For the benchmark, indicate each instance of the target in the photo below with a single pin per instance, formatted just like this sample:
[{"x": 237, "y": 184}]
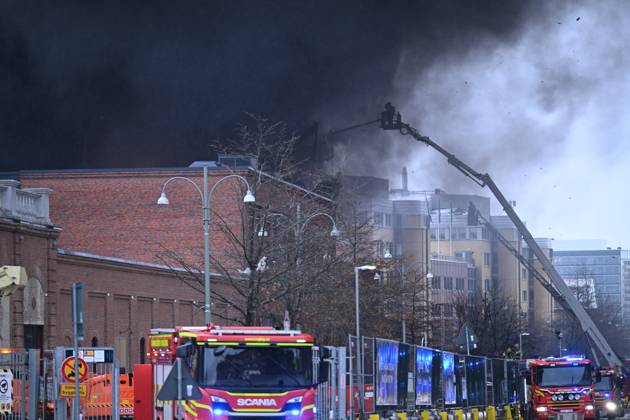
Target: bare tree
[{"x": 494, "y": 319}]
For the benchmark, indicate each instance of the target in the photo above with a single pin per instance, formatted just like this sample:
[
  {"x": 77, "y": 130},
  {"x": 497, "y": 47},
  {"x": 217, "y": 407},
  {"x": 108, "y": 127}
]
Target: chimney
[{"x": 404, "y": 178}]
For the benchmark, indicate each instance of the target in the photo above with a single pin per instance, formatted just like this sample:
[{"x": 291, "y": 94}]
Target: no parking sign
[{"x": 6, "y": 390}]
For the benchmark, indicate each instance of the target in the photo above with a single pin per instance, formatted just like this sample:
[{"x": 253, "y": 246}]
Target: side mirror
[
  {"x": 598, "y": 377},
  {"x": 183, "y": 351}
]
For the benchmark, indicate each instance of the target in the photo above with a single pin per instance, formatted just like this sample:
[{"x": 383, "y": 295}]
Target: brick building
[
  {"x": 105, "y": 229},
  {"x": 123, "y": 298}
]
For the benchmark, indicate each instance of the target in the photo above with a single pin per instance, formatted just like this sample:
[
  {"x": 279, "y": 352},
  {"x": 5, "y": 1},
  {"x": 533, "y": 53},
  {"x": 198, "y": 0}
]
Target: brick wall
[
  {"x": 32, "y": 247},
  {"x": 122, "y": 302},
  {"x": 115, "y": 214}
]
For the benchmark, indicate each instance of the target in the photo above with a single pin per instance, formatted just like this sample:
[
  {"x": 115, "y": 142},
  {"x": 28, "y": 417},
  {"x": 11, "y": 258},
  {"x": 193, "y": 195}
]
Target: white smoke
[{"x": 546, "y": 114}]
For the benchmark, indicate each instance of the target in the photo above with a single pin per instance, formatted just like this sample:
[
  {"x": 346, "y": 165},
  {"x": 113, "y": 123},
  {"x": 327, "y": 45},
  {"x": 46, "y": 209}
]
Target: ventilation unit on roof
[{"x": 238, "y": 161}]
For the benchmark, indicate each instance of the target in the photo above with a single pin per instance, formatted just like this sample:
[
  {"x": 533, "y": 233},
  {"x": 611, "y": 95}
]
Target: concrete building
[
  {"x": 540, "y": 304},
  {"x": 607, "y": 269},
  {"x": 454, "y": 235},
  {"x": 450, "y": 282}
]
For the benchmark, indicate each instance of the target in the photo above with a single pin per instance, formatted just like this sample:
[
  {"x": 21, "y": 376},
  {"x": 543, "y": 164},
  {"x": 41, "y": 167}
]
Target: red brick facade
[
  {"x": 112, "y": 233},
  {"x": 114, "y": 213}
]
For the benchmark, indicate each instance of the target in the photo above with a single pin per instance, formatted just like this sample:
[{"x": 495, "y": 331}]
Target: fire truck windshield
[
  {"x": 563, "y": 376},
  {"x": 605, "y": 384},
  {"x": 246, "y": 367}
]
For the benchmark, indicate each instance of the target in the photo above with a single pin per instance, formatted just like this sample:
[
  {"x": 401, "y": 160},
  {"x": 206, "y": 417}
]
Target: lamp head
[
  {"x": 335, "y": 232},
  {"x": 388, "y": 254},
  {"x": 249, "y": 197},
  {"x": 377, "y": 276},
  {"x": 429, "y": 275},
  {"x": 163, "y": 201}
]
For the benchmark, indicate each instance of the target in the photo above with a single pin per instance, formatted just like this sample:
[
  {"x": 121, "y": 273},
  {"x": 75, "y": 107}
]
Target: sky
[
  {"x": 544, "y": 113},
  {"x": 533, "y": 93}
]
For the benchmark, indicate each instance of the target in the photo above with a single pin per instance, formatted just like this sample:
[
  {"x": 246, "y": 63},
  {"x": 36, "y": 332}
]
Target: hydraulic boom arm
[{"x": 392, "y": 121}]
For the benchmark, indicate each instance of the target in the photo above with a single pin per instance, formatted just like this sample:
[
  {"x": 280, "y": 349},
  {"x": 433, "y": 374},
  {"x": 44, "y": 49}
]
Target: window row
[
  {"x": 460, "y": 233},
  {"x": 436, "y": 283}
]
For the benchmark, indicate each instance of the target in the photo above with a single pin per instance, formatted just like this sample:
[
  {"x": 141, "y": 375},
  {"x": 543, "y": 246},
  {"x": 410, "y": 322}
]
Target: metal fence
[
  {"x": 32, "y": 385},
  {"x": 331, "y": 394},
  {"x": 386, "y": 376}
]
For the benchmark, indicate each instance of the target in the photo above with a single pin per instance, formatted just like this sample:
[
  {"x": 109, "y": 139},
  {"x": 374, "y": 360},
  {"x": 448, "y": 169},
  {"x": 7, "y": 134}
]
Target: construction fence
[
  {"x": 36, "y": 385},
  {"x": 387, "y": 378}
]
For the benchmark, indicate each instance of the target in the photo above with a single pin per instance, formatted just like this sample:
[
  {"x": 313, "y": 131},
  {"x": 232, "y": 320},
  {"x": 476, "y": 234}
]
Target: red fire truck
[
  {"x": 560, "y": 385},
  {"x": 243, "y": 371},
  {"x": 608, "y": 389}
]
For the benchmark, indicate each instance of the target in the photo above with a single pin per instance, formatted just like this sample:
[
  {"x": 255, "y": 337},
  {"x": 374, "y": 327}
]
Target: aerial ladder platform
[{"x": 555, "y": 285}]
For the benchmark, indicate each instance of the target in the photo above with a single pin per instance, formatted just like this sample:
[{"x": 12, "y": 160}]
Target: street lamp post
[
  {"x": 359, "y": 351},
  {"x": 206, "y": 203}
]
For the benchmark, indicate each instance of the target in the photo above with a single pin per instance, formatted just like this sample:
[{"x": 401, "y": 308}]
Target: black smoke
[{"x": 133, "y": 84}]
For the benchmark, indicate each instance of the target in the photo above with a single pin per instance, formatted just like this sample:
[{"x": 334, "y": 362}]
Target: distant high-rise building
[{"x": 608, "y": 270}]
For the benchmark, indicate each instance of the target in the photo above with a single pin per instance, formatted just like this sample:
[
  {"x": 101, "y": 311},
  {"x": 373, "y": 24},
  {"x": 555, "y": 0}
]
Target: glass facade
[{"x": 604, "y": 267}]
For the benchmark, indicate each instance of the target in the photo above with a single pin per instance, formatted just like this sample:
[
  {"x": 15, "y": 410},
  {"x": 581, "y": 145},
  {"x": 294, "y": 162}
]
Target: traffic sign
[
  {"x": 6, "y": 386},
  {"x": 179, "y": 384},
  {"x": 68, "y": 371},
  {"x": 68, "y": 390}
]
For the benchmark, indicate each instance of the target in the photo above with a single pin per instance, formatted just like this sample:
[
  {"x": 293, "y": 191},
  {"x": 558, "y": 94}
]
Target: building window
[
  {"x": 378, "y": 218},
  {"x": 472, "y": 284},
  {"x": 379, "y": 248},
  {"x": 435, "y": 282},
  {"x": 461, "y": 233},
  {"x": 473, "y": 233},
  {"x": 484, "y": 233},
  {"x": 442, "y": 235},
  {"x": 459, "y": 283},
  {"x": 486, "y": 284},
  {"x": 397, "y": 220},
  {"x": 388, "y": 220},
  {"x": 486, "y": 258},
  {"x": 437, "y": 310},
  {"x": 389, "y": 247},
  {"x": 524, "y": 295},
  {"x": 433, "y": 234},
  {"x": 448, "y": 283}
]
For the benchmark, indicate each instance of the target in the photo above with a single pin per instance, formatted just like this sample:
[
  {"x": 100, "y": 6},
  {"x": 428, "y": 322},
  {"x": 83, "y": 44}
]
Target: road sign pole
[{"x": 77, "y": 322}]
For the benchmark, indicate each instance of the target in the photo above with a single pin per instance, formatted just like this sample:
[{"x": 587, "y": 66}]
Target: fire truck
[
  {"x": 560, "y": 386},
  {"x": 243, "y": 372},
  {"x": 608, "y": 398}
]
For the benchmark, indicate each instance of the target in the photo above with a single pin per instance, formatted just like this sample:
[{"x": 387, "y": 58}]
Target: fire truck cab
[
  {"x": 608, "y": 389},
  {"x": 244, "y": 371},
  {"x": 559, "y": 386}
]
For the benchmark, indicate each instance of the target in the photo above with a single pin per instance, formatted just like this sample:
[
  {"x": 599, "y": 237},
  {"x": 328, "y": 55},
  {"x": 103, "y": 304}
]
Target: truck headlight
[
  {"x": 541, "y": 409},
  {"x": 571, "y": 397},
  {"x": 589, "y": 407},
  {"x": 611, "y": 406},
  {"x": 554, "y": 397}
]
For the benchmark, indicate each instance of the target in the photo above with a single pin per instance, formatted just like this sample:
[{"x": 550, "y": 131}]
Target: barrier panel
[
  {"x": 14, "y": 384},
  {"x": 104, "y": 393},
  {"x": 425, "y": 382}
]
